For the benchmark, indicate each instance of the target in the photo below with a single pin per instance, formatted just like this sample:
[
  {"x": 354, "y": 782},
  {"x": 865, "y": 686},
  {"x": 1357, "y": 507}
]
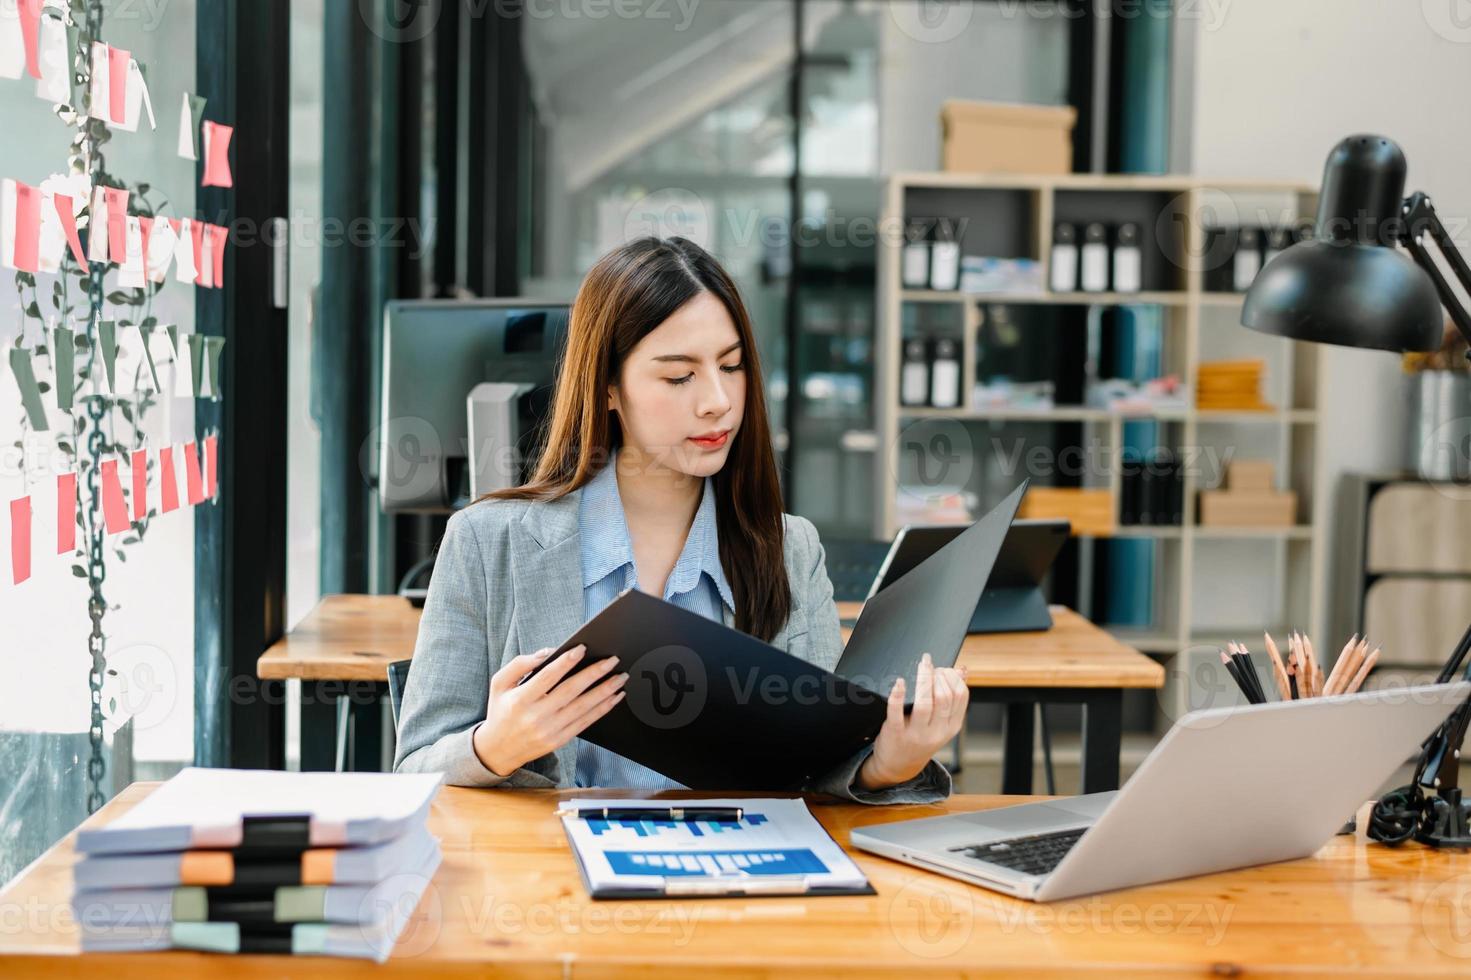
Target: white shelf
[
  {"x": 1292, "y": 565},
  {"x": 1300, "y": 532},
  {"x": 1172, "y": 298}
]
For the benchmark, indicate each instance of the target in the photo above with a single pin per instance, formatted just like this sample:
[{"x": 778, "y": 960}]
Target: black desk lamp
[{"x": 1349, "y": 286}]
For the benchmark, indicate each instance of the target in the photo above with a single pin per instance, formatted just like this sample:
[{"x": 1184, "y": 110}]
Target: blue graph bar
[{"x": 671, "y": 864}]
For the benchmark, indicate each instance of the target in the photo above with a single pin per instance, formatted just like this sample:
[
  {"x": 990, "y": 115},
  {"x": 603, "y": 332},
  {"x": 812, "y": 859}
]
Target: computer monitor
[{"x": 435, "y": 353}]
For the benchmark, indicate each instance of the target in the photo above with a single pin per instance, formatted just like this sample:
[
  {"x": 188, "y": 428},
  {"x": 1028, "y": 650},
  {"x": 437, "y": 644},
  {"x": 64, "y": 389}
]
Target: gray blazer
[{"x": 508, "y": 580}]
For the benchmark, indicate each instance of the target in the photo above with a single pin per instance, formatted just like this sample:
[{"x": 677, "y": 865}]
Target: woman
[{"x": 657, "y": 473}]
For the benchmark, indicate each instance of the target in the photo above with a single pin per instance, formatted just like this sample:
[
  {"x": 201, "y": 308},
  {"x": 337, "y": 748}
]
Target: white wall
[{"x": 1277, "y": 85}]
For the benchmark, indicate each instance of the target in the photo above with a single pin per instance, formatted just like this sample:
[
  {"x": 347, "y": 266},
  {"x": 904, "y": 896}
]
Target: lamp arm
[{"x": 1419, "y": 218}]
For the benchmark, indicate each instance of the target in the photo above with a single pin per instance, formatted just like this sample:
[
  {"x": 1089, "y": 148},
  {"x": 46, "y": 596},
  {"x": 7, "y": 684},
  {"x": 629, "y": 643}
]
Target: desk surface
[
  {"x": 508, "y": 897},
  {"x": 356, "y": 637}
]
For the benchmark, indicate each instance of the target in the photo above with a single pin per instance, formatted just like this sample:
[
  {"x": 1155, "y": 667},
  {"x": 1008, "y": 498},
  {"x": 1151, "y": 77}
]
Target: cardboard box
[
  {"x": 1004, "y": 137},
  {"x": 1250, "y": 474},
  {"x": 1248, "y": 508},
  {"x": 1090, "y": 511}
]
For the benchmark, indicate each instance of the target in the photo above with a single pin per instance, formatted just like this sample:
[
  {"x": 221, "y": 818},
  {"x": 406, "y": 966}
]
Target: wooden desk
[
  {"x": 508, "y": 899},
  {"x": 342, "y": 649},
  {"x": 1075, "y": 662}
]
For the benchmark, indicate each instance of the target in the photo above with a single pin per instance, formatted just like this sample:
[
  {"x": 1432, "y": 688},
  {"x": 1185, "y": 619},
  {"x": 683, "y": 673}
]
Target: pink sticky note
[
  {"x": 117, "y": 224},
  {"x": 66, "y": 513},
  {"x": 217, "y": 155},
  {"x": 196, "y": 229},
  {"x": 114, "y": 507},
  {"x": 139, "y": 469},
  {"x": 65, "y": 210},
  {"x": 30, "y": 32},
  {"x": 118, "y": 61},
  {"x": 193, "y": 479},
  {"x": 211, "y": 466},
  {"x": 218, "y": 235},
  {"x": 27, "y": 227},
  {"x": 20, "y": 539},
  {"x": 145, "y": 225},
  {"x": 168, "y": 480}
]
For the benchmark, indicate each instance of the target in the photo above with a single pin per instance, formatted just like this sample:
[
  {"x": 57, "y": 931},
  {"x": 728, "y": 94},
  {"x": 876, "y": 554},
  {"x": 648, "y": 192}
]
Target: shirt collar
[{"x": 607, "y": 546}]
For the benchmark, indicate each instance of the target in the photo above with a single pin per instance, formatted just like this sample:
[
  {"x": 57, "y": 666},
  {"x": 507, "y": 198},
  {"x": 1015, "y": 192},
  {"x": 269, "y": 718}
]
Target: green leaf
[
  {"x": 131, "y": 539},
  {"x": 143, "y": 189},
  {"x": 117, "y": 296},
  {"x": 43, "y": 387},
  {"x": 78, "y": 571},
  {"x": 33, "y": 310},
  {"x": 120, "y": 555}
]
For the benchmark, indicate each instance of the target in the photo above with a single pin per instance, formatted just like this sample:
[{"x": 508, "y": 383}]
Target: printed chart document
[{"x": 776, "y": 848}]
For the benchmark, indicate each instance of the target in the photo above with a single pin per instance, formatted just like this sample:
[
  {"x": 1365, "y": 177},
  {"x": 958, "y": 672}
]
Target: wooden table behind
[
  {"x": 356, "y": 637},
  {"x": 508, "y": 898}
]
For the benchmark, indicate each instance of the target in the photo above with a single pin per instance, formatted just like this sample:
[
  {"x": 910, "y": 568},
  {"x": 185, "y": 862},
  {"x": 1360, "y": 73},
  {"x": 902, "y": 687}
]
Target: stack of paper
[
  {"x": 1234, "y": 386},
  {"x": 250, "y": 861}
]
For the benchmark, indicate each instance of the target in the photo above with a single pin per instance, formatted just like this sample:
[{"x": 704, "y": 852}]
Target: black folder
[{"x": 714, "y": 708}]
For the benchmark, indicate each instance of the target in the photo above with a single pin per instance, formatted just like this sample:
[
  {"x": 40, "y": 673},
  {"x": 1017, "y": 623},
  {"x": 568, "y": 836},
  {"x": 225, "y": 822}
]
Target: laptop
[
  {"x": 1013, "y": 601},
  {"x": 1225, "y": 788},
  {"x": 714, "y": 708}
]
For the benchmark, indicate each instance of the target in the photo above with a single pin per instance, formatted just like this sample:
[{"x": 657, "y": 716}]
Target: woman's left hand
[{"x": 906, "y": 744}]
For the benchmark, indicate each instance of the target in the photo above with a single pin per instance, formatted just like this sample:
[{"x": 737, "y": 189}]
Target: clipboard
[
  {"x": 714, "y": 708},
  {"x": 793, "y": 829}
]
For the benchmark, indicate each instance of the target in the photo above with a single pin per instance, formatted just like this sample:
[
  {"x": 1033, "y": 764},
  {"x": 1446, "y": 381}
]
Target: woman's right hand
[{"x": 527, "y": 721}]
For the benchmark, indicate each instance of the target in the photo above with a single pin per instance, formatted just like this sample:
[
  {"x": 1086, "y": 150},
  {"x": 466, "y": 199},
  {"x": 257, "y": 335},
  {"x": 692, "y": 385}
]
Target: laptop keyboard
[{"x": 1035, "y": 855}]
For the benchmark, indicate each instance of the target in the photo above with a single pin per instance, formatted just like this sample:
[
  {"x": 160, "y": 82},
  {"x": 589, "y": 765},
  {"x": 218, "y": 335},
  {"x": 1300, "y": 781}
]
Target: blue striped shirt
[{"x": 697, "y": 584}]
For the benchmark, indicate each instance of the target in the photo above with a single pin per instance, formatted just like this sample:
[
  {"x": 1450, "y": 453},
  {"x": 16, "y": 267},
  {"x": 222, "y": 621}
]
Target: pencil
[
  {"x": 1229, "y": 663},
  {"x": 1317, "y": 686},
  {"x": 1336, "y": 674},
  {"x": 1363, "y": 672},
  {"x": 1292, "y": 674},
  {"x": 1279, "y": 672},
  {"x": 1249, "y": 670}
]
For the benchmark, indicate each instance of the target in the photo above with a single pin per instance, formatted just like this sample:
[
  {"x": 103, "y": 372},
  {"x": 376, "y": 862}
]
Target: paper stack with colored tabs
[{"x": 249, "y": 861}]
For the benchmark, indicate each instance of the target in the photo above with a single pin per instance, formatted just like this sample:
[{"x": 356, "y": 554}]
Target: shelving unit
[{"x": 1011, "y": 215}]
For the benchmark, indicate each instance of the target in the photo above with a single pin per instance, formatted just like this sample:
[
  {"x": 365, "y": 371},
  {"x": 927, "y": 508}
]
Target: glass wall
[
  {"x": 147, "y": 585},
  {"x": 684, "y": 124}
]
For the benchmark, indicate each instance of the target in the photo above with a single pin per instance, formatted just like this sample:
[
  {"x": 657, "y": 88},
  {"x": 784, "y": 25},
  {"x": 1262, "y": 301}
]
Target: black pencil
[
  {"x": 1249, "y": 669},
  {"x": 1234, "y": 669}
]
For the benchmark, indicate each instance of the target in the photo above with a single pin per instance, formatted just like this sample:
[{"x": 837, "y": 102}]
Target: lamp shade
[{"x": 1349, "y": 285}]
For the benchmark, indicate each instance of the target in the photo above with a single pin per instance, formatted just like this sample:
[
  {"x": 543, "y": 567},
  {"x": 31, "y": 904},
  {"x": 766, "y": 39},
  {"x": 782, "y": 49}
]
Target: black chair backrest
[{"x": 398, "y": 676}]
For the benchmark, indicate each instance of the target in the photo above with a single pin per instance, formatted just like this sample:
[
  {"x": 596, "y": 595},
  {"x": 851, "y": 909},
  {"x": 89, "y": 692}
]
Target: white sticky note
[
  {"x": 12, "y": 43},
  {"x": 130, "y": 274},
  {"x": 53, "y": 235},
  {"x": 138, "y": 100},
  {"x": 101, "y": 85},
  {"x": 186, "y": 126},
  {"x": 207, "y": 260},
  {"x": 163, "y": 359},
  {"x": 161, "y": 249},
  {"x": 132, "y": 368},
  {"x": 97, "y": 226},
  {"x": 7, "y": 220},
  {"x": 183, "y": 374},
  {"x": 54, "y": 56},
  {"x": 184, "y": 269}
]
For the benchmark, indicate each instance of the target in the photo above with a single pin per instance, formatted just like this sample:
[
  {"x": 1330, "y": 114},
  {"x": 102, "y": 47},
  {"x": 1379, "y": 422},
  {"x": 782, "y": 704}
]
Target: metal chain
[{"x": 96, "y": 568}]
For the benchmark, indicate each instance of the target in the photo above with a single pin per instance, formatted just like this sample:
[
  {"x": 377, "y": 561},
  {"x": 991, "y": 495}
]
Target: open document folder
[{"x": 775, "y": 847}]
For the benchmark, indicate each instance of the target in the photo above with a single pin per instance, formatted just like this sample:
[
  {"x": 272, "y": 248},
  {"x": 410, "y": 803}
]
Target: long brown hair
[{"x": 626, "y": 294}]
